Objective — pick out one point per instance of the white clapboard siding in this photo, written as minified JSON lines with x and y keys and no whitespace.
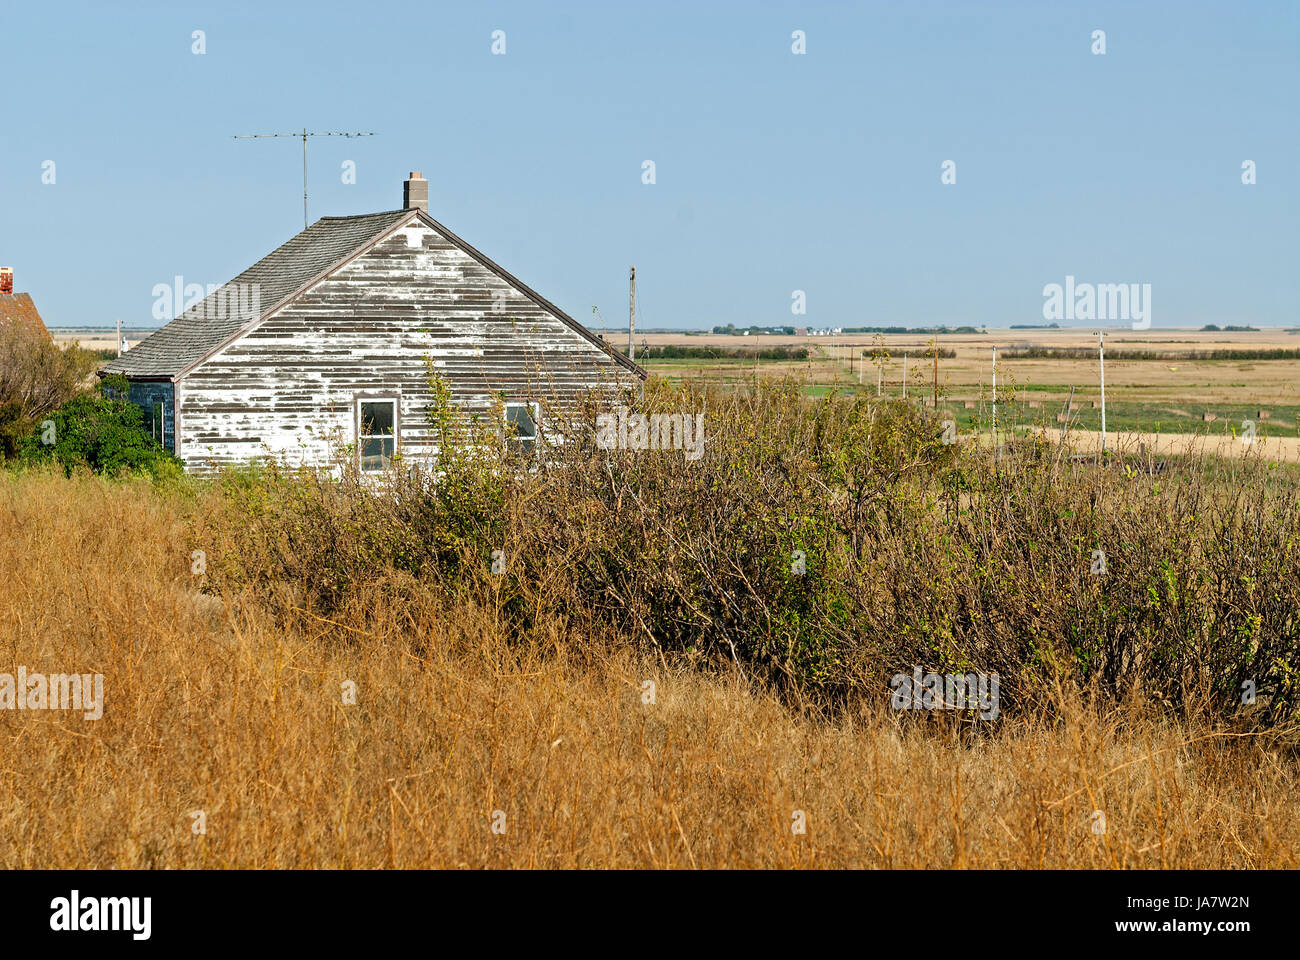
{"x":288,"y":386}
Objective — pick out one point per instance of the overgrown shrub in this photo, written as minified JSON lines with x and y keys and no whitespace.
{"x":823,"y":546}
{"x":36,"y":377}
{"x":107,"y":435}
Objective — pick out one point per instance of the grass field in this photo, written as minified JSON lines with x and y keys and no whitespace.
{"x":343,"y":682}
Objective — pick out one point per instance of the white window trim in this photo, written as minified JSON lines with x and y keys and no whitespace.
{"x":396,"y":401}
{"x":534,"y":410}
{"x":158,"y":418}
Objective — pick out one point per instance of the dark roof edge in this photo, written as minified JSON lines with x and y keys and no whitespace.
{"x":376,"y":213}
{"x":535,"y":296}
{"x":377,"y":238}
{"x":286,"y":300}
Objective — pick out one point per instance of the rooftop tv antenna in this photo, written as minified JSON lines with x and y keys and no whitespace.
{"x":304,"y":134}
{"x":631,"y":314}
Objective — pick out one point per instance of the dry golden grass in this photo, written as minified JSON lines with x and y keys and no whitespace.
{"x":214,"y":707}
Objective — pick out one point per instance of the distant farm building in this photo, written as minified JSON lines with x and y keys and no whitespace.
{"x":18,"y":310}
{"x":325,"y":345}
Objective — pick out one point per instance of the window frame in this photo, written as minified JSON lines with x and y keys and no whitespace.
{"x":527,"y":446}
{"x":395,"y":399}
{"x":158,"y":417}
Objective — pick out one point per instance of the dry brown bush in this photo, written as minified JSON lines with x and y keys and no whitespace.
{"x":36,"y":377}
{"x":231,"y":707}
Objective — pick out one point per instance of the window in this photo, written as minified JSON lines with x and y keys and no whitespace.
{"x":156,"y":418}
{"x":376,"y":433}
{"x":521,"y":427}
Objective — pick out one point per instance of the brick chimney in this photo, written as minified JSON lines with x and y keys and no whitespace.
{"x":7,"y":279}
{"x":415,"y":192}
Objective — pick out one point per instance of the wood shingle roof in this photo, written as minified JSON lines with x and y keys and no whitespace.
{"x":278,"y":276}
{"x":281,"y":275}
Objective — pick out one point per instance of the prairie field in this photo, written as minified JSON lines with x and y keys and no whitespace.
{"x":311,"y":673}
{"x":1161,"y":392}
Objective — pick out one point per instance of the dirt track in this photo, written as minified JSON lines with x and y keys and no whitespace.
{"x":1165,"y":444}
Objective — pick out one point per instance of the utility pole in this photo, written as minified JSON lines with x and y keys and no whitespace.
{"x":631,"y":314}
{"x":995,"y":398}
{"x":119,"y":336}
{"x":1101,"y":365}
{"x":905,"y":376}
{"x":304,"y":134}
{"x":936,"y":372}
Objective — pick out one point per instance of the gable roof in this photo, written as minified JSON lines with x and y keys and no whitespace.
{"x":283,"y":272}
{"x":534,"y":296}
{"x":281,"y":276}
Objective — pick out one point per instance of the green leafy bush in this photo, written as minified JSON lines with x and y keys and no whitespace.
{"x":107,"y":435}
{"x":36,"y":377}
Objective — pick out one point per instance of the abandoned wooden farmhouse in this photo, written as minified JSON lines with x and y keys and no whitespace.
{"x":322,"y":349}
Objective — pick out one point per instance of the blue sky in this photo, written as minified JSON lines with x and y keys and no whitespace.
{"x":775,"y":172}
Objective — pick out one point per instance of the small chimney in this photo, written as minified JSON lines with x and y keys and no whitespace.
{"x":6,"y":279}
{"x":415,"y":192}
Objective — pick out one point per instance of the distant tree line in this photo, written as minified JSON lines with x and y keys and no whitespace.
{"x":943,"y":352}
{"x":732,"y":330}
{"x":681,"y":352}
{"x":913,"y":330}
{"x":1084,"y":353}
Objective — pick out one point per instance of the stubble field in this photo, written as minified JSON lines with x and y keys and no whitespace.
{"x":1162,"y":401}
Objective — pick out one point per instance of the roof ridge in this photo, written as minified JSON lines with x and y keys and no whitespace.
{"x":284,"y":273}
{"x":577,"y":326}
{"x":377,"y":213}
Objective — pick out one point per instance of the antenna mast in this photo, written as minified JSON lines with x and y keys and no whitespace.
{"x":304,"y":135}
{"x":631,"y":315}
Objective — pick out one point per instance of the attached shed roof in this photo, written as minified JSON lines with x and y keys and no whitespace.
{"x":282,"y":275}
